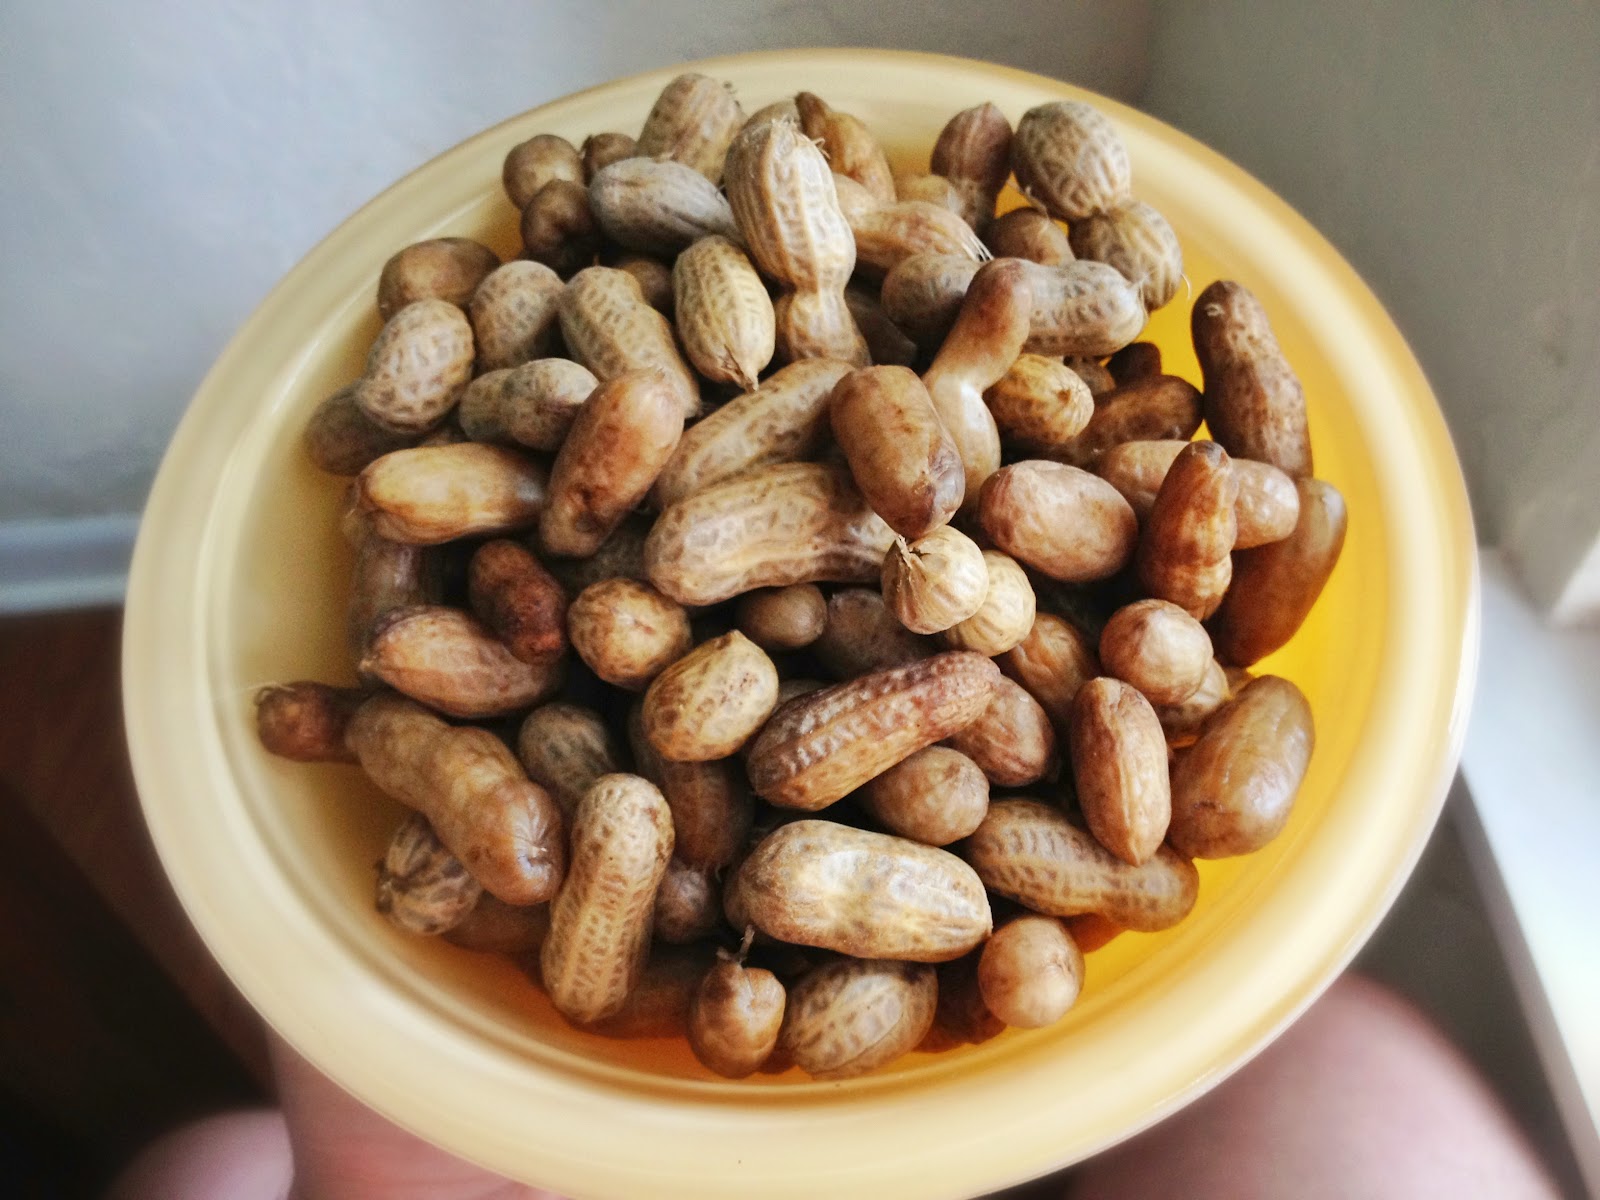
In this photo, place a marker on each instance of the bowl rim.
(165, 657)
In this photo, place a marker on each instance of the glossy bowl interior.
(239, 580)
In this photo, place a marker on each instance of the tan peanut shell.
(509, 590)
(1082, 308)
(778, 110)
(692, 121)
(861, 636)
(1275, 586)
(821, 747)
(627, 632)
(600, 919)
(1119, 768)
(341, 439)
(417, 368)
(620, 440)
(1033, 854)
(422, 887)
(658, 1005)
(1186, 545)
(1069, 157)
(735, 1018)
(783, 420)
(688, 904)
(1067, 523)
(514, 315)
(710, 801)
(305, 721)
(1030, 972)
(447, 269)
(868, 895)
(610, 329)
(1006, 614)
(600, 150)
(492, 926)
(541, 159)
(565, 748)
(899, 452)
(1039, 405)
(851, 149)
(1232, 791)
(937, 581)
(533, 404)
(708, 703)
(559, 228)
(1265, 511)
(887, 345)
(657, 206)
(1030, 234)
(936, 796)
(504, 828)
(1095, 375)
(1136, 240)
(1158, 648)
(777, 525)
(653, 276)
(786, 618)
(973, 152)
(432, 494)
(723, 313)
(849, 1017)
(1181, 722)
(887, 234)
(1151, 408)
(1012, 741)
(922, 294)
(1052, 662)
(981, 346)
(817, 325)
(452, 662)
(931, 189)
(1255, 406)
(387, 575)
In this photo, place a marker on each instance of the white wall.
(168, 161)
(1452, 152)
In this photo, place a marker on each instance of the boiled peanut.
(724, 314)
(1232, 791)
(973, 151)
(735, 1018)
(1155, 407)
(509, 590)
(514, 314)
(1158, 648)
(450, 661)
(620, 440)
(851, 149)
(1033, 854)
(432, 494)
(1181, 722)
(1136, 240)
(1052, 662)
(1006, 614)
(1030, 234)
(387, 575)
(341, 439)
(565, 748)
(783, 420)
(657, 206)
(961, 1017)
(1069, 524)
(821, 747)
(710, 801)
(1082, 308)
(600, 150)
(627, 632)
(1185, 547)
(541, 159)
(1030, 972)
(1039, 405)
(1136, 360)
(533, 404)
(931, 189)
(600, 919)
(1255, 406)
(852, 1016)
(492, 926)
(503, 827)
(1275, 586)
(1090, 931)
(422, 887)
(692, 122)
(1096, 377)
(977, 352)
(922, 294)
(653, 276)
(887, 234)
(937, 796)
(778, 110)
(305, 720)
(1265, 511)
(1069, 157)
(862, 636)
(417, 368)
(1119, 768)
(886, 344)
(787, 618)
(448, 269)
(688, 904)
(559, 228)
(658, 1005)
(708, 703)
(937, 581)
(868, 895)
(900, 455)
(621, 556)
(777, 525)
(1011, 741)
(611, 330)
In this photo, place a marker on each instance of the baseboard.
(70, 562)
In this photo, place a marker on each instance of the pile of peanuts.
(694, 793)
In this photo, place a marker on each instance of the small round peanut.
(559, 229)
(922, 295)
(422, 887)
(862, 636)
(1136, 360)
(735, 1019)
(1069, 157)
(541, 159)
(1157, 647)
(514, 314)
(692, 121)
(973, 151)
(937, 796)
(1006, 614)
(532, 405)
(688, 904)
(417, 368)
(565, 748)
(1067, 523)
(1030, 972)
(1040, 405)
(305, 721)
(786, 618)
(1151, 408)
(935, 582)
(1012, 741)
(447, 269)
(851, 1016)
(1030, 234)
(1052, 662)
(342, 440)
(709, 703)
(600, 150)
(653, 276)
(1136, 240)
(627, 632)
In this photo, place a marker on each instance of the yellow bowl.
(238, 581)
